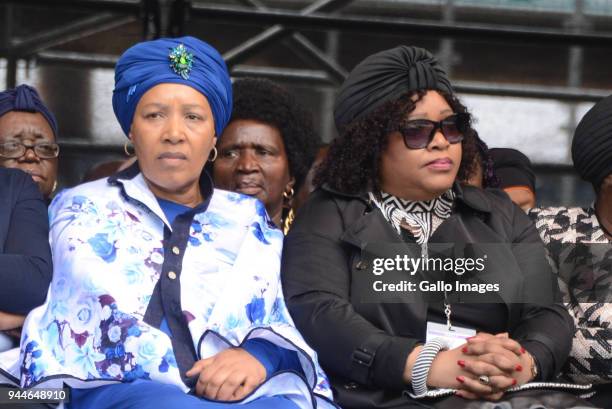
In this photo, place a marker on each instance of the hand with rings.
(495, 363)
(455, 369)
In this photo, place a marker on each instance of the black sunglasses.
(419, 133)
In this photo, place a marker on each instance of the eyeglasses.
(14, 150)
(419, 133)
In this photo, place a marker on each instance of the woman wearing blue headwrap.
(162, 283)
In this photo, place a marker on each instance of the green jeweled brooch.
(181, 61)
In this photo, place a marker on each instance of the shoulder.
(15, 180)
(566, 224)
(86, 195)
(327, 213)
(237, 205)
(236, 210)
(496, 202)
(559, 217)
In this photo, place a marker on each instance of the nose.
(247, 162)
(439, 141)
(29, 155)
(174, 132)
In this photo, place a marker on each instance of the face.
(522, 196)
(173, 133)
(421, 174)
(252, 160)
(30, 129)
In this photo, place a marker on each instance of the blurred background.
(527, 69)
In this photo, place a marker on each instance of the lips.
(248, 187)
(172, 155)
(440, 164)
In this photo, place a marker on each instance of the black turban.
(592, 144)
(386, 76)
(512, 168)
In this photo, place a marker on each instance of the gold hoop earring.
(289, 195)
(288, 221)
(54, 186)
(126, 150)
(214, 149)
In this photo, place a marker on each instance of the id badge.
(455, 337)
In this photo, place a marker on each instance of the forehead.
(431, 104)
(22, 125)
(247, 132)
(167, 93)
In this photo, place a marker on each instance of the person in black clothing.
(389, 182)
(25, 257)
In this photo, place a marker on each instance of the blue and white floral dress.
(120, 268)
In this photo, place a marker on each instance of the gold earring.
(126, 150)
(214, 149)
(289, 195)
(288, 221)
(54, 186)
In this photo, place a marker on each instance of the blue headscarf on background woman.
(184, 60)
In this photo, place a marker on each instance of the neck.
(603, 210)
(413, 194)
(276, 216)
(190, 196)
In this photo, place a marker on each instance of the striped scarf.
(419, 218)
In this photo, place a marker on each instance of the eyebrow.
(155, 105)
(21, 135)
(191, 106)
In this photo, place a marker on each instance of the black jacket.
(364, 346)
(25, 256)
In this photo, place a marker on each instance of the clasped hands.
(501, 359)
(229, 375)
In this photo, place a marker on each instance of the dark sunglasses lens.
(453, 128)
(416, 134)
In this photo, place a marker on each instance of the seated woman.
(578, 240)
(163, 284)
(267, 148)
(25, 256)
(28, 133)
(388, 183)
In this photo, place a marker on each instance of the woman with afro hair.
(267, 148)
(390, 334)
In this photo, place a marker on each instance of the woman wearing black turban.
(388, 193)
(578, 241)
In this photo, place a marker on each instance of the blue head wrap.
(184, 60)
(25, 98)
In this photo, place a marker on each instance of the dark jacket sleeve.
(25, 260)
(545, 331)
(316, 282)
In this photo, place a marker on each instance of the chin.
(439, 187)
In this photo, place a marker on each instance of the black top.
(326, 259)
(483, 317)
(25, 257)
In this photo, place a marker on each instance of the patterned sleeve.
(591, 358)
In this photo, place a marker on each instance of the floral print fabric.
(108, 255)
